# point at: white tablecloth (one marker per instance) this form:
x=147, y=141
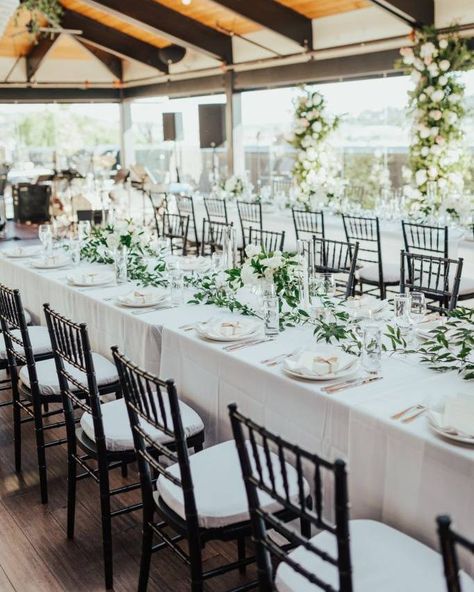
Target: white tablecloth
x=401, y=474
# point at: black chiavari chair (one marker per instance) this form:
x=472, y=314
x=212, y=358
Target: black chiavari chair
x=355, y=193
x=269, y=240
x=449, y=540
x=281, y=186
x=433, y=240
x=337, y=257
x=185, y=206
x=175, y=227
x=159, y=202
x=307, y=222
x=216, y=209
x=100, y=444
x=366, y=231
x=437, y=277
x=200, y=497
x=212, y=239
x=345, y=555
x=31, y=369
x=250, y=215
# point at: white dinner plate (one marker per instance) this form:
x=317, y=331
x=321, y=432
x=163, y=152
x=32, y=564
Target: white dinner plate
x=153, y=299
x=90, y=279
x=21, y=252
x=450, y=435
x=54, y=262
x=205, y=330
x=349, y=371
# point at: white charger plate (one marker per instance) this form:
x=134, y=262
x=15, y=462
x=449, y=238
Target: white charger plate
x=21, y=252
x=101, y=279
x=160, y=297
x=55, y=263
x=202, y=332
x=349, y=371
x=448, y=434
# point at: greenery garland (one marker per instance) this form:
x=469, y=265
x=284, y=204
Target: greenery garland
x=315, y=168
x=436, y=166
x=51, y=9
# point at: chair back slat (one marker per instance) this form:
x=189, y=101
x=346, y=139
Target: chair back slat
x=250, y=215
x=185, y=206
x=212, y=239
x=449, y=541
x=175, y=227
x=307, y=223
x=269, y=240
x=265, y=459
x=437, y=277
x=19, y=351
x=365, y=231
x=425, y=239
x=216, y=209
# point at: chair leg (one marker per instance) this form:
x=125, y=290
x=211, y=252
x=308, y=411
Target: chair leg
x=41, y=452
x=71, y=496
x=383, y=293
x=17, y=435
x=305, y=526
x=147, y=543
x=241, y=553
x=107, y=536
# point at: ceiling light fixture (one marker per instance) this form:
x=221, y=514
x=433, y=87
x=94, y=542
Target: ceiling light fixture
x=186, y=2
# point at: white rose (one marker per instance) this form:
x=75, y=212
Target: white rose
x=424, y=133
x=434, y=131
x=425, y=151
x=444, y=65
x=112, y=241
x=442, y=183
x=415, y=76
x=420, y=177
x=432, y=172
x=252, y=250
x=247, y=275
x=435, y=149
x=317, y=126
x=443, y=80
x=427, y=49
x=443, y=43
x=451, y=117
x=433, y=69
x=454, y=98
x=437, y=96
x=435, y=114
x=419, y=65
x=429, y=90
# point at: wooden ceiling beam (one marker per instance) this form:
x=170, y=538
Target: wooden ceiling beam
x=173, y=25
x=37, y=54
x=109, y=60
x=276, y=17
x=416, y=13
x=112, y=40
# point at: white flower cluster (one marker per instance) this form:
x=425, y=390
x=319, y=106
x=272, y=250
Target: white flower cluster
x=437, y=103
x=236, y=186
x=270, y=263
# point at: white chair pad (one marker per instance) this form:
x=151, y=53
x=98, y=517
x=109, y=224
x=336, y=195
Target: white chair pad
x=370, y=273
x=466, y=286
x=39, y=338
x=118, y=434
x=383, y=560
x=219, y=489
x=105, y=373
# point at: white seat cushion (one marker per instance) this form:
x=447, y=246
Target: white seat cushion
x=370, y=273
x=383, y=560
x=105, y=373
x=219, y=488
x=466, y=286
x=118, y=434
x=39, y=338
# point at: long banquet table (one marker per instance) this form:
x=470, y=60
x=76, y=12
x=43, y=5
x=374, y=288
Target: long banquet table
x=402, y=474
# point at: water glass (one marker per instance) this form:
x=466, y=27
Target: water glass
x=372, y=348
x=121, y=264
x=176, y=279
x=326, y=283
x=217, y=261
x=402, y=308
x=83, y=229
x=417, y=307
x=271, y=312
x=45, y=234
x=75, y=251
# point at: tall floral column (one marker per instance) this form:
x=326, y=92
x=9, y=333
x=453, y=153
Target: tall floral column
x=437, y=104
x=316, y=169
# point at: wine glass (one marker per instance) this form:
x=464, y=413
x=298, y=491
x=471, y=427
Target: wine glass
x=83, y=230
x=417, y=307
x=45, y=235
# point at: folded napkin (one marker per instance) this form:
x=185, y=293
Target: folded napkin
x=319, y=363
x=228, y=328
x=141, y=297
x=457, y=415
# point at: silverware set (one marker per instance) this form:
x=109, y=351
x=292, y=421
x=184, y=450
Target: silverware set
x=275, y=360
x=143, y=311
x=410, y=413
x=347, y=384
x=243, y=344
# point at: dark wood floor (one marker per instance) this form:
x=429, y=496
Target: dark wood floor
x=35, y=555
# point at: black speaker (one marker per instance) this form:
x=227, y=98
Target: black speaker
x=211, y=125
x=31, y=202
x=172, y=127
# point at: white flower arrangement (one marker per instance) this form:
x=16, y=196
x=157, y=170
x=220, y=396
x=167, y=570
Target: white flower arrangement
x=438, y=110
x=235, y=187
x=316, y=169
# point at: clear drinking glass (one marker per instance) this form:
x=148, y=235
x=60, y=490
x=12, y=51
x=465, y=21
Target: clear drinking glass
x=45, y=234
x=402, y=309
x=372, y=348
x=75, y=251
x=417, y=307
x=176, y=279
x=271, y=312
x=83, y=229
x=327, y=284
x=120, y=264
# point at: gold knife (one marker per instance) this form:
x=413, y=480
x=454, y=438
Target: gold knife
x=350, y=384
